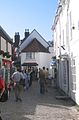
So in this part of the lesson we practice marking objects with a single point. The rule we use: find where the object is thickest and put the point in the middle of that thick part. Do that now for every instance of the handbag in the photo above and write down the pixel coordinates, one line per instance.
(4, 96)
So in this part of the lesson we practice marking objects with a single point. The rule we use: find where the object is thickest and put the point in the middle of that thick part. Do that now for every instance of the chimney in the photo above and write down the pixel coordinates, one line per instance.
(17, 39)
(26, 33)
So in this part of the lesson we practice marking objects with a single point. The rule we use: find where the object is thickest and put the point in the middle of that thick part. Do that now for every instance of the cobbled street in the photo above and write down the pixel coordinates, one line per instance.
(39, 107)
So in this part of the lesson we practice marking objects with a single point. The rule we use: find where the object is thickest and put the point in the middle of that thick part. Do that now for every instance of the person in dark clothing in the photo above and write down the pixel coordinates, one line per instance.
(30, 81)
(42, 81)
(46, 79)
(32, 76)
(2, 86)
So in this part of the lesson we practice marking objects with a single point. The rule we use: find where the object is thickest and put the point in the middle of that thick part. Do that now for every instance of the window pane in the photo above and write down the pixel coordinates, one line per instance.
(30, 55)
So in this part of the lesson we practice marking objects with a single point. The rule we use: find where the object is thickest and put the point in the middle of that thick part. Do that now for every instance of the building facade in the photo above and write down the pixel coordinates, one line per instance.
(5, 55)
(35, 51)
(66, 38)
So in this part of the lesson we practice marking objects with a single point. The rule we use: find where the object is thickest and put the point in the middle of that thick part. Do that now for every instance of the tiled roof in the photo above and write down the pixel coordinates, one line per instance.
(35, 46)
(5, 35)
(34, 35)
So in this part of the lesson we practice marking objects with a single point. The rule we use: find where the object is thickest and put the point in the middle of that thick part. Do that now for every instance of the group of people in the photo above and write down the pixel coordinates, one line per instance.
(43, 80)
(2, 89)
(20, 79)
(23, 79)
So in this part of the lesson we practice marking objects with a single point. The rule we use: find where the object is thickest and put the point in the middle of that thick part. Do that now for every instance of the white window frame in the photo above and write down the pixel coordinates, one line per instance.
(30, 55)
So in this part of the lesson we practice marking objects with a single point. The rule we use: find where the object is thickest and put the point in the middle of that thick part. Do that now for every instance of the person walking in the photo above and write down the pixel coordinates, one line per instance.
(2, 86)
(16, 77)
(42, 80)
(32, 76)
(3, 90)
(22, 82)
(26, 80)
(46, 79)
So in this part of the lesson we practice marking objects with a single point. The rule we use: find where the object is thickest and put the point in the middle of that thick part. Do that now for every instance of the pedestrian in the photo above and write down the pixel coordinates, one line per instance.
(16, 77)
(2, 86)
(26, 80)
(23, 80)
(31, 77)
(3, 90)
(42, 81)
(46, 79)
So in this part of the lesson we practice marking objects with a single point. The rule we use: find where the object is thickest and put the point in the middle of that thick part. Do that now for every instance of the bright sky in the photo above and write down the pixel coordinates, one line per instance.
(18, 15)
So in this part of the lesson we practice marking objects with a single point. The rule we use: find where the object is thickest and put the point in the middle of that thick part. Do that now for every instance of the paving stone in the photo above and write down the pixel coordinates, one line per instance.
(36, 106)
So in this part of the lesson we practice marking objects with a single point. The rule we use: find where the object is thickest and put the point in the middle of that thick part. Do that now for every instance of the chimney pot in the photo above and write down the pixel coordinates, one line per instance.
(17, 39)
(26, 33)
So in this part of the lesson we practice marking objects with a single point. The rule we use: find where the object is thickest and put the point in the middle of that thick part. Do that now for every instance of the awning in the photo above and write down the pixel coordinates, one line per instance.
(30, 64)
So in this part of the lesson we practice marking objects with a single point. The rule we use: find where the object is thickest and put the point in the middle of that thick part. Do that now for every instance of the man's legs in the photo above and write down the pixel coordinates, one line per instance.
(42, 88)
(17, 91)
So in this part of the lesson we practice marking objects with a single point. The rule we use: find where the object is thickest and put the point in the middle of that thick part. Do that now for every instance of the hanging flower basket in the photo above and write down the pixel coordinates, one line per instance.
(5, 54)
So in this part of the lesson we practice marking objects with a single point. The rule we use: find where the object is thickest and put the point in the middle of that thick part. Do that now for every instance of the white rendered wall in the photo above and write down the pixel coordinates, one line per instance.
(43, 59)
(74, 45)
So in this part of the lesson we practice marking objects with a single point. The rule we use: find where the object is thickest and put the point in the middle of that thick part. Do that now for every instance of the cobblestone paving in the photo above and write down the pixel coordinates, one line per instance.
(39, 107)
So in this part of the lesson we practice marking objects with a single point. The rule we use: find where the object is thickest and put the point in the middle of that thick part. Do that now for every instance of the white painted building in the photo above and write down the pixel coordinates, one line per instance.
(35, 51)
(66, 40)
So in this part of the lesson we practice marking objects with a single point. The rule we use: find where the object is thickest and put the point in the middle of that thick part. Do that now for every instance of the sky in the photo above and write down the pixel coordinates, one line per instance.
(18, 15)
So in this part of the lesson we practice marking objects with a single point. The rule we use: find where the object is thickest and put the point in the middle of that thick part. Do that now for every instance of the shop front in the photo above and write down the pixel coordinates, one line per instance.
(6, 70)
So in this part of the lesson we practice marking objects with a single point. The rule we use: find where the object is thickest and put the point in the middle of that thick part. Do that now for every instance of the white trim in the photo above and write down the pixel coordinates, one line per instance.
(34, 34)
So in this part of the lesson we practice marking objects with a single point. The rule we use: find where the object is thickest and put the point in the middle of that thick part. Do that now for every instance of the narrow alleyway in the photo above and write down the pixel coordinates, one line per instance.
(39, 107)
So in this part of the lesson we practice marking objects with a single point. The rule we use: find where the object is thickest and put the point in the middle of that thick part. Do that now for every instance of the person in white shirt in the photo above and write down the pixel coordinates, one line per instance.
(16, 77)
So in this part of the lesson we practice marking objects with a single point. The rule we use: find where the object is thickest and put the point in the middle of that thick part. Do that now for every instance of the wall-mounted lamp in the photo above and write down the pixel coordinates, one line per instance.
(73, 27)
